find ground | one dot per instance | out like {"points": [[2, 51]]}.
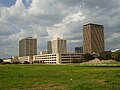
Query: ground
{"points": [[59, 77]]}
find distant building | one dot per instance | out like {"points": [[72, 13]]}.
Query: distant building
{"points": [[26, 59], [57, 46], [43, 52], [58, 58], [13, 59], [78, 49], [116, 50], [49, 47], [8, 60], [27, 47], [93, 38]]}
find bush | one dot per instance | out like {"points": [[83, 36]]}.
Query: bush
{"points": [[6, 63], [76, 61], [16, 63], [100, 57], [115, 56], [26, 62], [88, 56], [36, 62], [1, 60]]}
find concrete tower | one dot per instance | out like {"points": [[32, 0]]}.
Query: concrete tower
{"points": [[93, 38], [57, 46], [27, 47]]}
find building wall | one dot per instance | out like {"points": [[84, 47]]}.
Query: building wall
{"points": [[46, 58], [7, 60], [14, 59], [57, 58], [78, 49], [25, 59], [57, 46], [69, 57], [27, 47], [93, 38], [49, 47]]}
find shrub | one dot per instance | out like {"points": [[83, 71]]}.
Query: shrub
{"points": [[6, 63], [1, 60], [16, 63], [88, 56], [26, 62]]}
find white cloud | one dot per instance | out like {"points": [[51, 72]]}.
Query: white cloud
{"points": [[49, 19]]}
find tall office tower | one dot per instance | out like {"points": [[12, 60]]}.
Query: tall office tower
{"points": [[93, 38], [27, 47], [57, 46]]}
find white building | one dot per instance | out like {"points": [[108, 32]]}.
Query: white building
{"points": [[26, 59], [57, 58], [57, 46]]}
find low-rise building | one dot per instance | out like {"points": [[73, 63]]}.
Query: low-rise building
{"points": [[57, 58], [14, 59], [9, 60], [26, 59]]}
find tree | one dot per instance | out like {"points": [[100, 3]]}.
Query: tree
{"points": [[114, 56], [108, 56], [105, 56], [75, 60], [118, 57], [100, 57], [1, 60], [88, 56]]}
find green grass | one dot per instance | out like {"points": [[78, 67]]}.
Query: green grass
{"points": [[58, 77]]}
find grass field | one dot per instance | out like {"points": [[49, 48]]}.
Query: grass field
{"points": [[58, 77]]}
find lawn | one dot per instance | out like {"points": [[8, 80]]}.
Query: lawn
{"points": [[58, 77]]}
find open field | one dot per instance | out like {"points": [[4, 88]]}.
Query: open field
{"points": [[59, 77]]}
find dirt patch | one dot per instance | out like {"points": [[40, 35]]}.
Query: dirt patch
{"points": [[97, 61], [49, 86]]}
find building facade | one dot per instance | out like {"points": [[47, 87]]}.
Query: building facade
{"points": [[57, 46], [58, 58], [78, 49], [25, 59], [93, 38], [27, 47]]}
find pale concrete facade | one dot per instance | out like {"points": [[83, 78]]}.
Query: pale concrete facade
{"points": [[13, 59], [47, 58], [7, 60], [26, 59], [57, 58], [57, 46], [27, 47]]}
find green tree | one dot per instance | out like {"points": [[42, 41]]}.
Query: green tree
{"points": [[115, 56], [108, 56], [76, 60], [100, 57], [88, 56], [1, 60], [119, 56]]}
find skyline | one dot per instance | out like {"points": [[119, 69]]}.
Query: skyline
{"points": [[49, 19]]}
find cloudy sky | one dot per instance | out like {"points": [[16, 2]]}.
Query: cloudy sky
{"points": [[49, 19]]}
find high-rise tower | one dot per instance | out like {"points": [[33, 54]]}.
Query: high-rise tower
{"points": [[27, 47], [93, 38], [57, 46]]}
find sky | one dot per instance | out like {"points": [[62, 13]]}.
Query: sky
{"points": [[48, 19]]}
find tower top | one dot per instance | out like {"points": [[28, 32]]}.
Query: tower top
{"points": [[92, 24]]}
